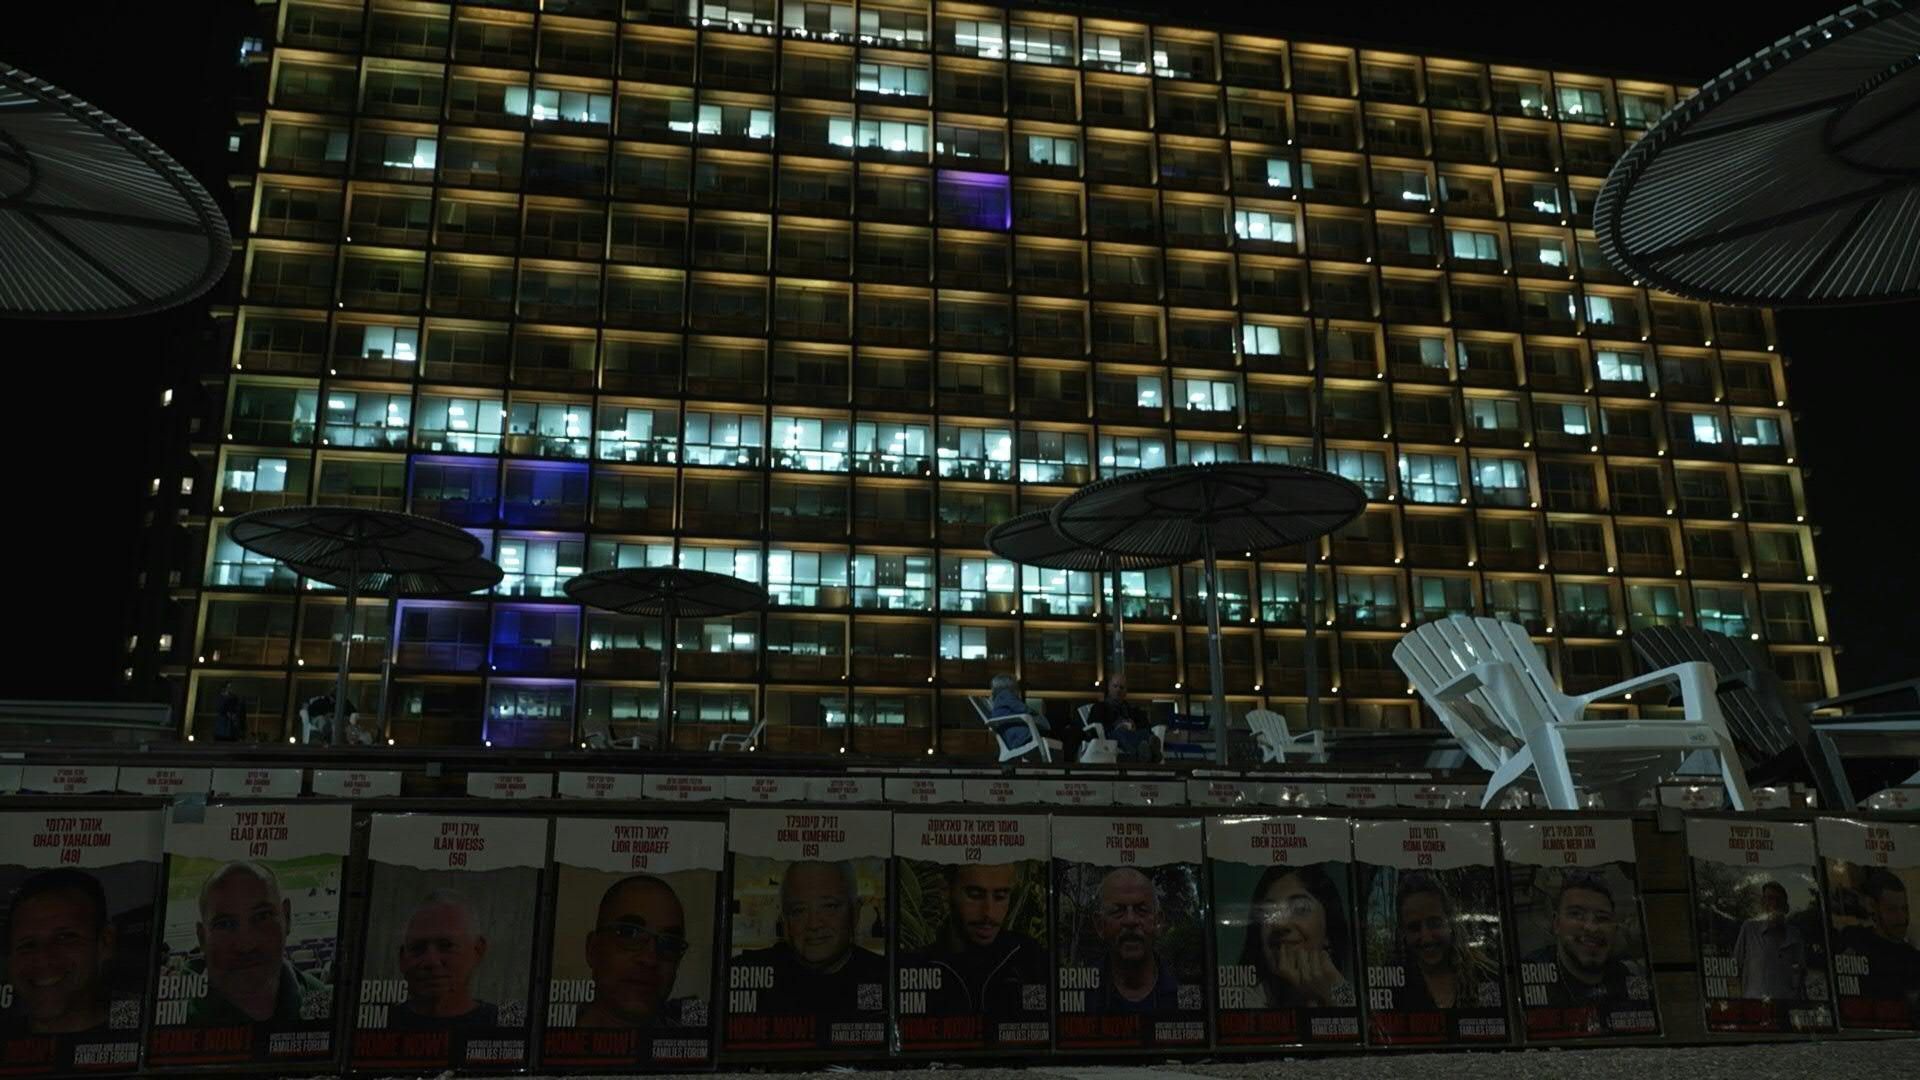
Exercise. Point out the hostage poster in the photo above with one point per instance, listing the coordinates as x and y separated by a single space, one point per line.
79 886
1577 929
1872 871
447 956
635 912
1762 933
971 938
1285 966
1430 921
808 964
1130 933
251 935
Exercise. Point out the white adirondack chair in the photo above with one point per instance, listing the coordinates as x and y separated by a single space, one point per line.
1270 733
734 740
1095 747
1040 744
599 736
1492 689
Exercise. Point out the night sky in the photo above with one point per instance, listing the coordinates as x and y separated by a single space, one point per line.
167 69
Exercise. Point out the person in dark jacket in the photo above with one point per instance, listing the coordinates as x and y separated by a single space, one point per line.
816 969
243 927
1134 978
1892 963
1124 724
1586 934
983 967
230 716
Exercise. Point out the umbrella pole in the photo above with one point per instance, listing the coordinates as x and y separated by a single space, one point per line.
1119 666
664 726
1214 666
346 653
386 665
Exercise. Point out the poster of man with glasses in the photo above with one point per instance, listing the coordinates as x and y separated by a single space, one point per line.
631 982
1578 930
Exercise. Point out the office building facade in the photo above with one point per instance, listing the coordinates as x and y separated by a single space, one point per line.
815 293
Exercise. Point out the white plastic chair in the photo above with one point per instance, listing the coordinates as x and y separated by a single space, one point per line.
734 740
1038 743
1270 733
1493 690
1095 747
599 736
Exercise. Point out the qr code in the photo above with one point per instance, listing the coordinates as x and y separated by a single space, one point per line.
1033 997
513 1014
868 999
1190 997
317 1004
694 1013
124 1016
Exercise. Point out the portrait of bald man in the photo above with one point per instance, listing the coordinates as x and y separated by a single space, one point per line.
634 949
242 929
442 947
1128 920
817 968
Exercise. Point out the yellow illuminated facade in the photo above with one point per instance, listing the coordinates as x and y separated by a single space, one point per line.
816 293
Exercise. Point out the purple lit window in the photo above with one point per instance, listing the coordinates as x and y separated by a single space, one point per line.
975 200
545 493
535 639
529 712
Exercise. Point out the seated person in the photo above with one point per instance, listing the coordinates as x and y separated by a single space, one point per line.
1007 704
1124 724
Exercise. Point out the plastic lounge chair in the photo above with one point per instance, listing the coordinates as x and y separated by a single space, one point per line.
600 737
1095 747
1271 735
1778 737
734 740
1492 688
1038 743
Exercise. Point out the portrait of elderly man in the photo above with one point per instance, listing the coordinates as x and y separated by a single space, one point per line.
1585 931
60 949
440 951
985 966
1134 977
242 931
634 949
817 968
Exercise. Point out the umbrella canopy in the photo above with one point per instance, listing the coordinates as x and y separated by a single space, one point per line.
666 590
311 539
1791 179
458 579
1186 511
96 221
1030 540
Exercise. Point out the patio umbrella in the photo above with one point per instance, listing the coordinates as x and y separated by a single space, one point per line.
666 592
477 574
1791 179
1196 511
1031 541
96 222
354 543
